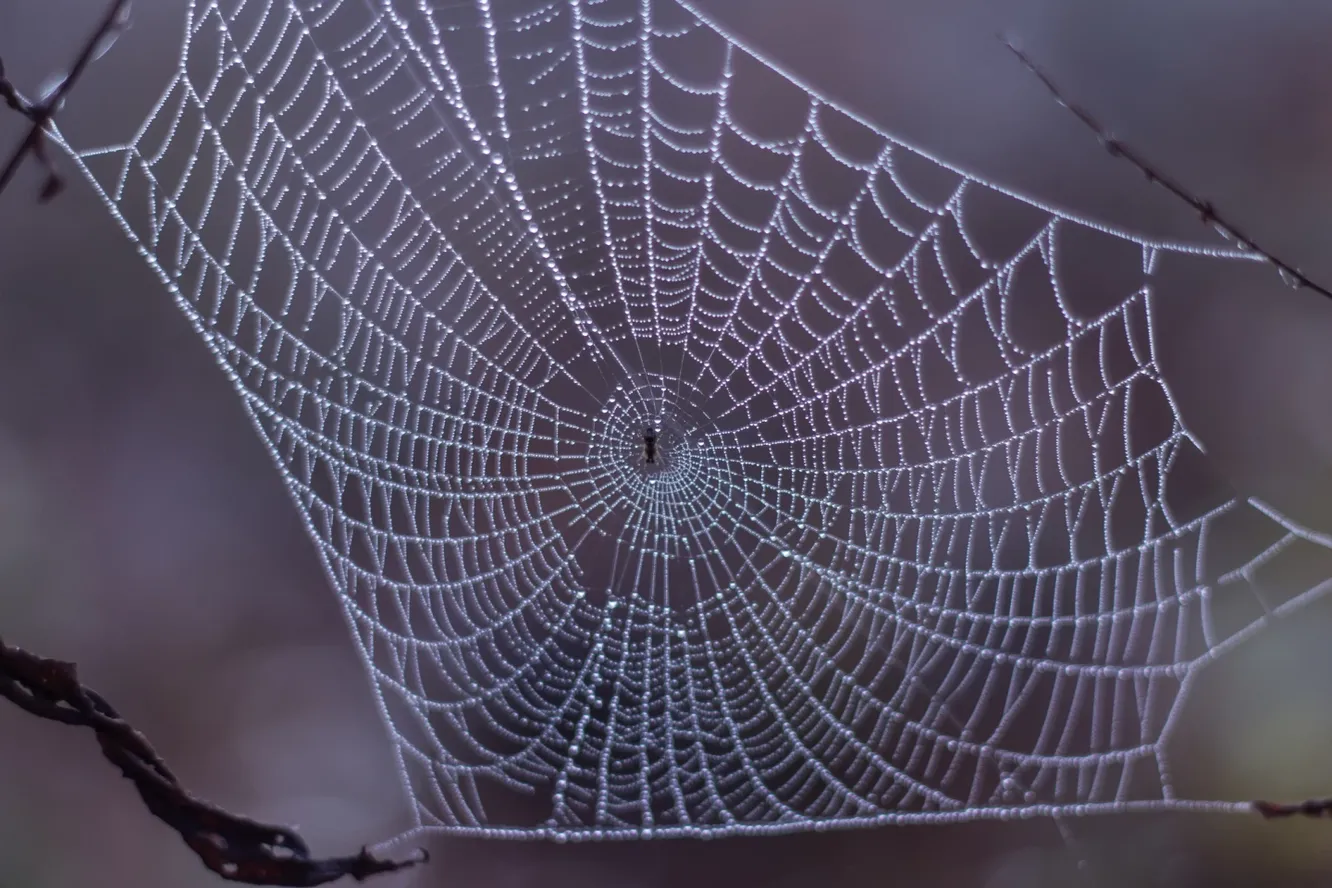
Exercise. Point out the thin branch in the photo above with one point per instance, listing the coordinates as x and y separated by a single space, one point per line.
236 848
41 113
1205 210
1311 808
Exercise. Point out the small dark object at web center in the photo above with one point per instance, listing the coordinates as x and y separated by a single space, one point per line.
650 445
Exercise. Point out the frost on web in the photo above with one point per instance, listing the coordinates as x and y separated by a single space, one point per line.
924 537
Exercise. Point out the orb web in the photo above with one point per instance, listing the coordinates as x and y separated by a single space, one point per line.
922 537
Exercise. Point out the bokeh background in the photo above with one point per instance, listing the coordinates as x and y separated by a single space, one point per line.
145 535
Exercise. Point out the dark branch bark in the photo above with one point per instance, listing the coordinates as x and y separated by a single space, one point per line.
236 848
1310 808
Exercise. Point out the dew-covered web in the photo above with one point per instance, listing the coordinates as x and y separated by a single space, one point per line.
922 536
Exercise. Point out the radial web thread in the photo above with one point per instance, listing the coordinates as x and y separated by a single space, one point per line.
926 538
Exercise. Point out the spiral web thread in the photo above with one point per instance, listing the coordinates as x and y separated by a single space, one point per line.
925 538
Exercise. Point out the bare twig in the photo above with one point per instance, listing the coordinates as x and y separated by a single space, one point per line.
1310 808
41 113
1205 210
236 848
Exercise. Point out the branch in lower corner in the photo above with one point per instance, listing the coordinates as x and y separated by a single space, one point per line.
236 848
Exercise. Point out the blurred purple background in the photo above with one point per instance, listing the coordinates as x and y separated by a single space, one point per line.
145 534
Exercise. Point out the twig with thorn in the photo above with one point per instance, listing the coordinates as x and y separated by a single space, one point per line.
236 848
40 114
1205 210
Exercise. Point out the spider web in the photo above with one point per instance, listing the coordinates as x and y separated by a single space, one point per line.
925 537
